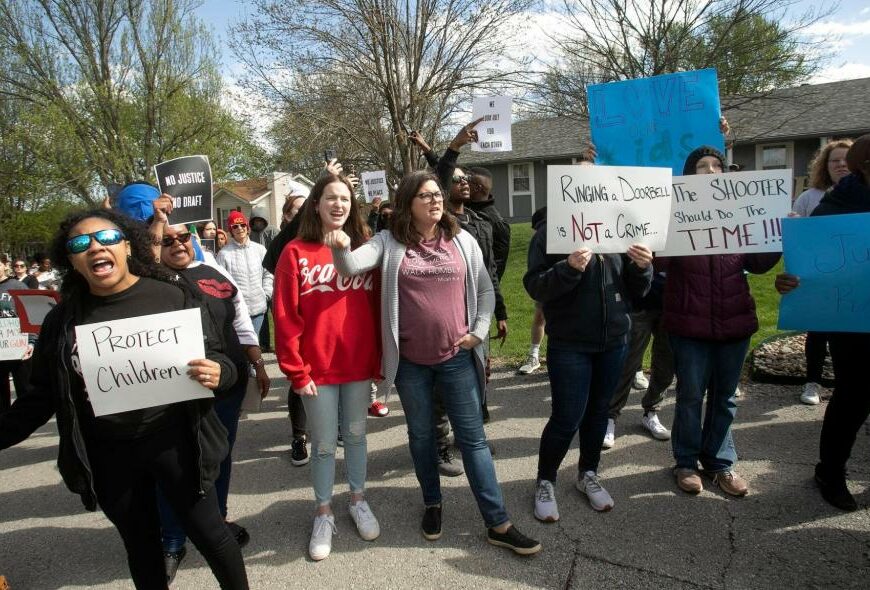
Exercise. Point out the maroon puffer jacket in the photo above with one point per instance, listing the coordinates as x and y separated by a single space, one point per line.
708 296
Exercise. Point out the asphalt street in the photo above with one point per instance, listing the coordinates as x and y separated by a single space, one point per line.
782 535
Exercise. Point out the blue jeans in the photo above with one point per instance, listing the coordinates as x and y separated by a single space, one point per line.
348 403
257 320
581 386
227 409
713 367
456 380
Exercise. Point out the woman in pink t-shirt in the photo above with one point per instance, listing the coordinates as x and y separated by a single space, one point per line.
327 345
436 309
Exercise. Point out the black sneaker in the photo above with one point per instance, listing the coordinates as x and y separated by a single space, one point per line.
298 452
447 465
171 561
432 523
513 540
834 491
239 533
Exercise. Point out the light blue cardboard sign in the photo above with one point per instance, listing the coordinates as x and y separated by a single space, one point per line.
831 256
655 121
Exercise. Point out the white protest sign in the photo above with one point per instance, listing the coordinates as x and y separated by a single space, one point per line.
141 362
494 132
607 208
13 344
737 212
374 185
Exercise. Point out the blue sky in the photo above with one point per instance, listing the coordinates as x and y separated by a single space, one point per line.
849 56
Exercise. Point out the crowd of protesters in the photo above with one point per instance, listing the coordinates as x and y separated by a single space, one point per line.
407 296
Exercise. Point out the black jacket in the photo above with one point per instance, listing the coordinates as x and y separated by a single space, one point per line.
51 393
501 231
850 195
481 230
589 310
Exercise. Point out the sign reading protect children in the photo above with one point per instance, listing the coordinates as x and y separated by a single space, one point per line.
141 362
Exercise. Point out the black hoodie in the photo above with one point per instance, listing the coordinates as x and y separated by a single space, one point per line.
850 195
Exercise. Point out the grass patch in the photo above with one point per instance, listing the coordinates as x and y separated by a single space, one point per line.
520 306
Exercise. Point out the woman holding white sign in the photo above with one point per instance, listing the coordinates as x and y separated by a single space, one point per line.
326 343
119 459
709 315
585 299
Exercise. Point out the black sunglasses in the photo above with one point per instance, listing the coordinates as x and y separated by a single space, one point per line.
104 237
167 241
457 179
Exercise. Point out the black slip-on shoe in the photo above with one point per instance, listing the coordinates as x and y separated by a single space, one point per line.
432 523
513 540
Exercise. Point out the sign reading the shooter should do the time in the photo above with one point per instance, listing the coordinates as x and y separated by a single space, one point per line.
188 181
141 362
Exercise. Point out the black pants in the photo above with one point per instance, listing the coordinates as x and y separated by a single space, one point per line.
126 475
815 350
20 371
296 412
850 403
265 336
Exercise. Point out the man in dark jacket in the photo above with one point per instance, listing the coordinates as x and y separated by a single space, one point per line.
483 203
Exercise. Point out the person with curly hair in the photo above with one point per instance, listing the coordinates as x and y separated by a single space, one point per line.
118 460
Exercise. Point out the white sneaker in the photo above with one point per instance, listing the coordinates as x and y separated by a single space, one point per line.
610 435
366 523
810 395
532 364
321 536
589 484
656 428
546 509
640 381
737 392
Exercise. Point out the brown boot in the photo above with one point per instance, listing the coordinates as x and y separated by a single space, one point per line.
688 480
731 483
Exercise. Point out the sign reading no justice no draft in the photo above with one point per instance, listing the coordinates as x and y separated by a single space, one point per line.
607 208
188 181
141 362
738 212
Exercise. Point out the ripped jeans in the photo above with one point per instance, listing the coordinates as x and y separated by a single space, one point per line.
323 416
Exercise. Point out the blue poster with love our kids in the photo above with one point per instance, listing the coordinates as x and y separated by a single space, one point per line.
831 257
655 121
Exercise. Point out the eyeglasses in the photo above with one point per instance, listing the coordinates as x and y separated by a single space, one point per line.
430 197
236 226
104 237
457 179
19 265
167 241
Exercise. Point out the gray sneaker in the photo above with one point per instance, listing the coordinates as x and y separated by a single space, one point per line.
448 465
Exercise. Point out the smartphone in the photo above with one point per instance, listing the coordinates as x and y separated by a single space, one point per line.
329 154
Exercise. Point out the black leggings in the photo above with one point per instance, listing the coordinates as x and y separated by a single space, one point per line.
816 349
849 405
20 371
126 475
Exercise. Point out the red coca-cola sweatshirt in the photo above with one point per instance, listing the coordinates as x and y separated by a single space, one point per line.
327 327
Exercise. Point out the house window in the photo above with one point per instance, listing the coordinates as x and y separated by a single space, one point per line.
774 156
522 190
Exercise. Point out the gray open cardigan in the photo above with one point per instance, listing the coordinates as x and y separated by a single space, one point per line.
385 251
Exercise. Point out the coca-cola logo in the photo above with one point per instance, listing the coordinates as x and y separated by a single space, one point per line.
324 278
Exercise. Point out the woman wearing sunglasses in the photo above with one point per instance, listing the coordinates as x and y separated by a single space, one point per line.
19 271
436 309
118 460
240 343
327 346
